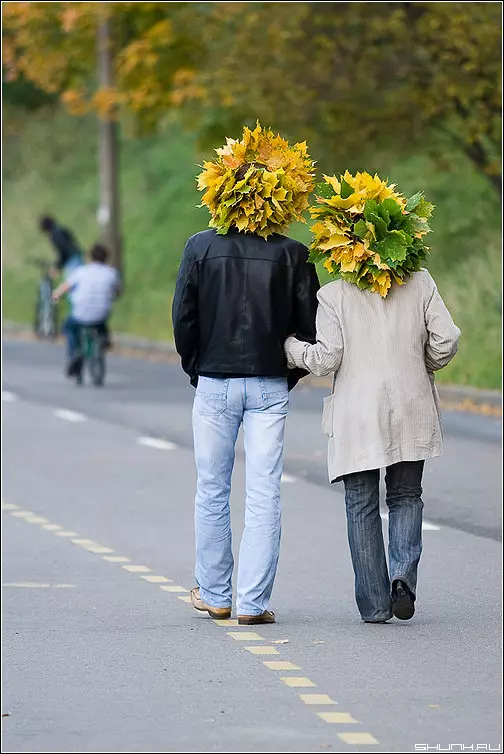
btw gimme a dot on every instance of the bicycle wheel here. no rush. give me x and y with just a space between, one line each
45 320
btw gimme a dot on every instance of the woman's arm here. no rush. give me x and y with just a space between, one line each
443 333
325 356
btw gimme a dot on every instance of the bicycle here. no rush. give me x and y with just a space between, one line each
92 351
46 321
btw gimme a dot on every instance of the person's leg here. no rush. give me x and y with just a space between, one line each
365 537
71 330
404 501
266 406
217 415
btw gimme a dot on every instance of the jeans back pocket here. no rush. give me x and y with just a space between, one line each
211 395
275 393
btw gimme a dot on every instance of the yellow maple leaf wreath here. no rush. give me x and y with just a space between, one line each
259 184
366 233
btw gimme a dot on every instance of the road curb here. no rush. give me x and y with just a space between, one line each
458 397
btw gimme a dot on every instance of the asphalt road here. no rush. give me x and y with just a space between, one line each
103 653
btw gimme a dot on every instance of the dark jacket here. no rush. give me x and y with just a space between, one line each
237 298
65 245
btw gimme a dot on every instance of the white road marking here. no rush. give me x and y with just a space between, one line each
288 479
69 416
9 507
34 585
426 525
8 397
152 442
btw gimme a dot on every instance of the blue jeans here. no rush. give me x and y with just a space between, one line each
220 407
71 331
404 500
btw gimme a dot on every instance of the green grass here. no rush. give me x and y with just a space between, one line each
50 165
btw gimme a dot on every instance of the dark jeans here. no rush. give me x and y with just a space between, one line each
71 330
404 500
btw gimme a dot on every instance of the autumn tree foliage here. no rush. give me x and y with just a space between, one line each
348 77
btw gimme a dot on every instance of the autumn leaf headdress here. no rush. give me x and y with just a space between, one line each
260 184
367 233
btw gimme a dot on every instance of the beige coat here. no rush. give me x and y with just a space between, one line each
384 406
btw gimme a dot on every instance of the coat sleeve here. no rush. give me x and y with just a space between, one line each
324 357
185 314
442 333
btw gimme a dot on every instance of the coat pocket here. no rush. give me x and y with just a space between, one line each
327 416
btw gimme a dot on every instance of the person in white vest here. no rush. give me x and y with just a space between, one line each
92 290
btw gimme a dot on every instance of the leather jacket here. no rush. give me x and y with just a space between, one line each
237 298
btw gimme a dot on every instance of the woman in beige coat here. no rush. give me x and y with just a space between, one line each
383 413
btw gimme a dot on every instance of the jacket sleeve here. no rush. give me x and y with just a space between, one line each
305 301
305 309
324 357
442 333
185 313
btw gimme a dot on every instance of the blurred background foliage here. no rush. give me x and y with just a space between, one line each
410 90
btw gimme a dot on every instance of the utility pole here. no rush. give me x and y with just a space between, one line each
108 212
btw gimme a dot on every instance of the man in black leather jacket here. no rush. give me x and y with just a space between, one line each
238 296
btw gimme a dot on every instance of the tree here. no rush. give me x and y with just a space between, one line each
352 78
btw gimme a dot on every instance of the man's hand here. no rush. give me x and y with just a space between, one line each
60 291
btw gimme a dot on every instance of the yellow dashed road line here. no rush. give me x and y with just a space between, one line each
116 559
280 665
316 699
297 682
245 636
336 718
357 738
225 621
174 589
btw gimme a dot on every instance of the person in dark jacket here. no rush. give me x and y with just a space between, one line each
69 254
242 288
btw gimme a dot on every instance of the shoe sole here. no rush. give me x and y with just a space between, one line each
404 608
215 616
254 621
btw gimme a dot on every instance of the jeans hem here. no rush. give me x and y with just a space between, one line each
406 581
377 620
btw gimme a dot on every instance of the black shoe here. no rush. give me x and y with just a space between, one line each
403 601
